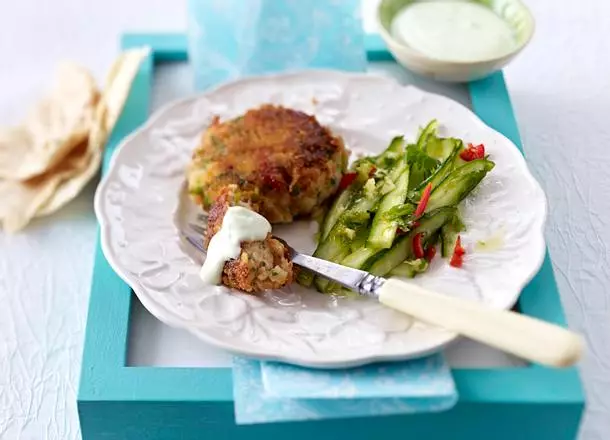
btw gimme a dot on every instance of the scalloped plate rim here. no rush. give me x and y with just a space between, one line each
307 361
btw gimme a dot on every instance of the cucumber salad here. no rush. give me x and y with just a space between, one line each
394 210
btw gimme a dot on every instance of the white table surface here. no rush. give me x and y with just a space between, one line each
560 88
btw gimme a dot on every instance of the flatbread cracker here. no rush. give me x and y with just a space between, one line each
116 89
117 86
20 200
72 166
56 125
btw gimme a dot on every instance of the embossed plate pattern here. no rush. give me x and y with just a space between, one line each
141 205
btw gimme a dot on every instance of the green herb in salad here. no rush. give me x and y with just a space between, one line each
396 207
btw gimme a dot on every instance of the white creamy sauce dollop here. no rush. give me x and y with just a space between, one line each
238 225
454 31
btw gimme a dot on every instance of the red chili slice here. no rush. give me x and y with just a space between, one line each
347 180
372 171
457 259
473 152
423 202
430 253
418 248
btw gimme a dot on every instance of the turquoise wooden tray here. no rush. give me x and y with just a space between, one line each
116 401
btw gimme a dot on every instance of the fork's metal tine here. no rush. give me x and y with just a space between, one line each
197 243
202 217
286 245
197 228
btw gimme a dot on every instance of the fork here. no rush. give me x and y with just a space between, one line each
528 338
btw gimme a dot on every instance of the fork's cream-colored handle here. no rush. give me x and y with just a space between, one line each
528 338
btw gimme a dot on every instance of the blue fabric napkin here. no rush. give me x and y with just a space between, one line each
266 392
234 38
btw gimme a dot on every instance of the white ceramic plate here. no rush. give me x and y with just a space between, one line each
142 205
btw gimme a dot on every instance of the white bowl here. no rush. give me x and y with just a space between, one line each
513 12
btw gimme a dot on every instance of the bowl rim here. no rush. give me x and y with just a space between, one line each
414 53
